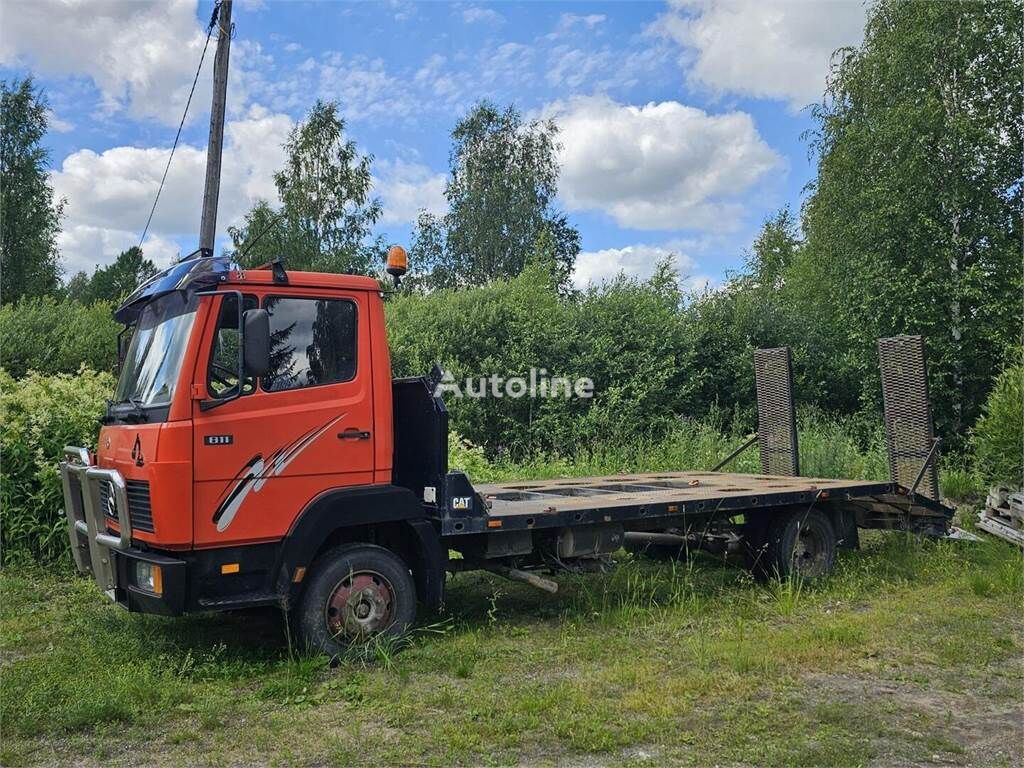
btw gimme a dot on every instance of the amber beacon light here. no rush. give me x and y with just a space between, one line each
398 263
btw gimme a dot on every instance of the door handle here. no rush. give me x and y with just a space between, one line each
354 434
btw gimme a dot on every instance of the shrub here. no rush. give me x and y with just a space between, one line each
624 335
846 448
40 415
998 436
828 448
959 483
51 336
463 456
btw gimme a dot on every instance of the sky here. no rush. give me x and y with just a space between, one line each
680 123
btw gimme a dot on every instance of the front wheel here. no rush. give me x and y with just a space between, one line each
356 591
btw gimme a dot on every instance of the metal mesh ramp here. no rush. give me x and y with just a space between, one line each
776 417
909 431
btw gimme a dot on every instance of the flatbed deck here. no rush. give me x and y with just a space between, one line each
635 497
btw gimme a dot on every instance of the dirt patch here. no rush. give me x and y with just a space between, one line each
980 724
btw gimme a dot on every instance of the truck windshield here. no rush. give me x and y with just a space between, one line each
154 357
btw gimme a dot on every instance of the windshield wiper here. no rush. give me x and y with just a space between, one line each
113 413
139 413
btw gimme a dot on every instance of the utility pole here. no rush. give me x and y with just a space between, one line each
215 146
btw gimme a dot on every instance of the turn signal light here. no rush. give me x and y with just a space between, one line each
149 576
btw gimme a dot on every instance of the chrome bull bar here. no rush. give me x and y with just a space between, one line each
91 545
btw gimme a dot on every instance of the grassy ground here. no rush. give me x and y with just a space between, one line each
911 654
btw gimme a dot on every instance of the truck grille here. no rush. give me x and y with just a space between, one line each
139 510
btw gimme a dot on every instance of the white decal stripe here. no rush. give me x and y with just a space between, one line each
263 470
281 462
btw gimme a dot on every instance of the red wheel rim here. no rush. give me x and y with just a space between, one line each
361 605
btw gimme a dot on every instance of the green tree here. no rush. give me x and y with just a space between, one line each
51 335
326 214
624 335
113 282
914 222
750 311
998 436
501 192
774 249
29 217
77 288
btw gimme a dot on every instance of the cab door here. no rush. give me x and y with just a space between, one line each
303 428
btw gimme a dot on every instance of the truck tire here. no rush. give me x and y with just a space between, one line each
355 592
801 543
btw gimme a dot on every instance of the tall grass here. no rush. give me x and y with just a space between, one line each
633 590
832 447
828 448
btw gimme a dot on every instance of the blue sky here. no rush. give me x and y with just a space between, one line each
681 122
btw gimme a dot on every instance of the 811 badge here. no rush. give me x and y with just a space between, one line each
218 439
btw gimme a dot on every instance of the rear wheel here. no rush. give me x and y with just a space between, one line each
356 591
801 543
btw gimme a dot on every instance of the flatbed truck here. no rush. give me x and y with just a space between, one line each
258 452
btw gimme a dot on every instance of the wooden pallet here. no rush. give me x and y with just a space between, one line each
1004 515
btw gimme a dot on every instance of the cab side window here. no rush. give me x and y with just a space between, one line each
222 376
312 342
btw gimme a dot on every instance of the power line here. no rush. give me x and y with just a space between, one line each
177 136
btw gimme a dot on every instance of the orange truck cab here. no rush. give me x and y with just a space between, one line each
258 452
253 418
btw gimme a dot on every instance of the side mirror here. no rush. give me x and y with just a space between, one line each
256 342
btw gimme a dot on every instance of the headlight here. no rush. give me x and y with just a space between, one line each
149 577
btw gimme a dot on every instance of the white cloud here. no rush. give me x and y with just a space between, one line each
776 50
433 76
509 62
363 86
660 166
475 14
601 69
403 11
84 247
572 67
569 20
142 56
109 194
54 123
639 261
407 188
